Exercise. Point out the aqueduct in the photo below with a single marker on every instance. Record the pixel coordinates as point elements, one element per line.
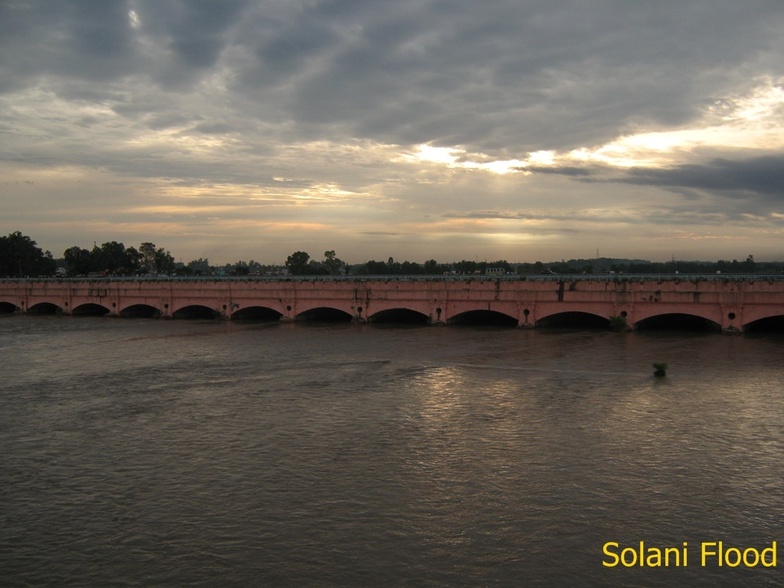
<point>731,304</point>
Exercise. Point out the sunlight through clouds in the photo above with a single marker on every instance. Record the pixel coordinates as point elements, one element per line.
<point>755,120</point>
<point>458,158</point>
<point>423,130</point>
<point>752,121</point>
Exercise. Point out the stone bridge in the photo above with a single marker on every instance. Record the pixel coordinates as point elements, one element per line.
<point>728,303</point>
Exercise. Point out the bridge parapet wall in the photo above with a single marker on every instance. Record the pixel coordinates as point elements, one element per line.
<point>730,303</point>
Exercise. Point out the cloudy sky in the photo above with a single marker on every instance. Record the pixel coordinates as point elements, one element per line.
<point>415,129</point>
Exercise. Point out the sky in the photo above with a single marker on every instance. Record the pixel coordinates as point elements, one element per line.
<point>415,129</point>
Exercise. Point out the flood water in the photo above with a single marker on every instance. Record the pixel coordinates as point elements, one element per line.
<point>208,453</point>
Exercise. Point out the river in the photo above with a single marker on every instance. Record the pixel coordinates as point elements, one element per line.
<point>217,453</point>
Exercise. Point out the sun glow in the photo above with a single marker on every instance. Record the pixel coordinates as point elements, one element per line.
<point>456,157</point>
<point>750,121</point>
<point>753,121</point>
<point>763,103</point>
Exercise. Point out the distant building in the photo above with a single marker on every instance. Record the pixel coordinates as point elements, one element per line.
<point>495,271</point>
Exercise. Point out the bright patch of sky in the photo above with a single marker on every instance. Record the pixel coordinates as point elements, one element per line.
<point>753,121</point>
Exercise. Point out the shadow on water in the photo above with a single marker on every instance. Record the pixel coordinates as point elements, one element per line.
<point>398,316</point>
<point>195,312</point>
<point>324,315</point>
<point>482,318</point>
<point>90,310</point>
<point>573,321</point>
<point>256,314</point>
<point>774,324</point>
<point>44,308</point>
<point>678,322</point>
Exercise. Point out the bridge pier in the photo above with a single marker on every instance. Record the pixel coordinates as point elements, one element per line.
<point>731,323</point>
<point>524,317</point>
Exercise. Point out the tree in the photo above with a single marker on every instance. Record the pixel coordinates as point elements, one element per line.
<point>432,267</point>
<point>332,264</point>
<point>20,256</point>
<point>410,268</point>
<point>155,260</point>
<point>79,261</point>
<point>297,263</point>
<point>254,267</point>
<point>393,267</point>
<point>374,268</point>
<point>147,255</point>
<point>467,267</point>
<point>240,269</point>
<point>164,262</point>
<point>113,258</point>
<point>200,267</point>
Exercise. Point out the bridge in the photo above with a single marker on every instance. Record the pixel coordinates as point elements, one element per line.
<point>732,304</point>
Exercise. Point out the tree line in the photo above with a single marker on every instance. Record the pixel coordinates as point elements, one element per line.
<point>299,263</point>
<point>115,258</point>
<point>20,256</point>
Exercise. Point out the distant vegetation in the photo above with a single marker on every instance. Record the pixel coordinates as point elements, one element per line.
<point>114,258</point>
<point>20,256</point>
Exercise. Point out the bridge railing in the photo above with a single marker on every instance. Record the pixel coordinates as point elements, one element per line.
<point>420,278</point>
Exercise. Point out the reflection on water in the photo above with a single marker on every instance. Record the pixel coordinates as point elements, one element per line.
<point>177,453</point>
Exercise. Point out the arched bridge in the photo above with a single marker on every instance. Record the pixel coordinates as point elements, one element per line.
<point>731,304</point>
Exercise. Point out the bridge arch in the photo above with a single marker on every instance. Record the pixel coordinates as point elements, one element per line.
<point>90,309</point>
<point>44,308</point>
<point>140,311</point>
<point>195,312</point>
<point>399,315</point>
<point>677,321</point>
<point>8,308</point>
<point>325,314</point>
<point>483,317</point>
<point>573,319</point>
<point>768,324</point>
<point>256,313</point>
<point>761,316</point>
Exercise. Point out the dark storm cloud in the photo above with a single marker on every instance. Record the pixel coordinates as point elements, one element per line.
<point>500,77</point>
<point>494,75</point>
<point>763,176</point>
<point>283,54</point>
<point>563,170</point>
<point>96,40</point>
<point>194,31</point>
<point>89,40</point>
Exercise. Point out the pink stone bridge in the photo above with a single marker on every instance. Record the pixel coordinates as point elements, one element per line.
<point>729,303</point>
